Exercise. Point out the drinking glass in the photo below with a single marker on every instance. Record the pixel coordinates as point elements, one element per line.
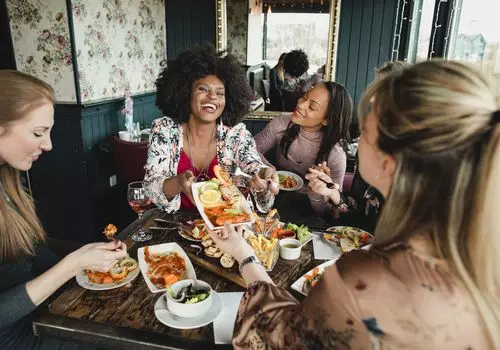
<point>264,200</point>
<point>139,201</point>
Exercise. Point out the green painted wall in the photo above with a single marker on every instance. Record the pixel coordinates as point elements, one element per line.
<point>100,121</point>
<point>365,42</point>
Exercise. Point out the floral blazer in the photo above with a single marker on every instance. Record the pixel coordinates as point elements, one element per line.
<point>234,145</point>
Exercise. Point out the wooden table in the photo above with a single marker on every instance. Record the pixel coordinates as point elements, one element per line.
<point>124,317</point>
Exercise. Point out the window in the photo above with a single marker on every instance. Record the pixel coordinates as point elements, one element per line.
<point>476,38</point>
<point>420,36</point>
<point>289,31</point>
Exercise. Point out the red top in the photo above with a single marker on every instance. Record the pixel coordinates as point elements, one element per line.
<point>185,164</point>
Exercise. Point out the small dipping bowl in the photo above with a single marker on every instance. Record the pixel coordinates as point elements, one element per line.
<point>125,135</point>
<point>189,310</point>
<point>290,248</point>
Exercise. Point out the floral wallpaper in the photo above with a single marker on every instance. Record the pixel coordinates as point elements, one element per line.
<point>42,46</point>
<point>119,45</point>
<point>237,27</point>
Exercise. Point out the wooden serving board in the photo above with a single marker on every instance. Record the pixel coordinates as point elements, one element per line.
<point>213,265</point>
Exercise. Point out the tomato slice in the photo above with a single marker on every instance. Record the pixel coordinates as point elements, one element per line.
<point>222,175</point>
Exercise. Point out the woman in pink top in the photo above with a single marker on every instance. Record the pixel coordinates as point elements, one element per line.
<point>430,143</point>
<point>315,132</point>
<point>204,96</point>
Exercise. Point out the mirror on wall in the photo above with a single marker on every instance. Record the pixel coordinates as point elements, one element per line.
<point>257,32</point>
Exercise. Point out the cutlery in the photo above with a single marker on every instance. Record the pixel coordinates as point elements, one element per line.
<point>161,228</point>
<point>235,170</point>
<point>167,221</point>
<point>328,184</point>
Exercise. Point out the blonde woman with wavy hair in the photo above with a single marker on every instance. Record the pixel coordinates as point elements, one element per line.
<point>29,271</point>
<point>430,143</point>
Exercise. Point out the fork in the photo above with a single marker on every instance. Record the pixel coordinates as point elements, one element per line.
<point>235,170</point>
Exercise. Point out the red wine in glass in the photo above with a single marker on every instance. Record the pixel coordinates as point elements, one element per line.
<point>140,205</point>
<point>139,202</point>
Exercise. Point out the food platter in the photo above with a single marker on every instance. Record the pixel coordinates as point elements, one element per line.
<point>82,279</point>
<point>289,181</point>
<point>347,238</point>
<point>299,285</point>
<point>236,211</point>
<point>162,250</point>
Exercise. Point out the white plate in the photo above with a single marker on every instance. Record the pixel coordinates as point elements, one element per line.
<point>83,280</point>
<point>163,248</point>
<point>169,319</point>
<point>187,236</point>
<point>299,284</point>
<point>196,194</point>
<point>300,182</point>
<point>334,229</point>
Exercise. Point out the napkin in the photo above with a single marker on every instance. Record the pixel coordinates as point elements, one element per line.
<point>224,323</point>
<point>324,251</point>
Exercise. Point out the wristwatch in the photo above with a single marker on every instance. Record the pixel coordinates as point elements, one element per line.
<point>252,259</point>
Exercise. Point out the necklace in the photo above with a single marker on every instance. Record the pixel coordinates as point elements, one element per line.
<point>202,175</point>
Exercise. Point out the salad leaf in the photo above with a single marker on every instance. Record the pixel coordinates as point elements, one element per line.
<point>292,227</point>
<point>303,233</point>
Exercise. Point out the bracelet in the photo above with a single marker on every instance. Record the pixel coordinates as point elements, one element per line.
<point>252,259</point>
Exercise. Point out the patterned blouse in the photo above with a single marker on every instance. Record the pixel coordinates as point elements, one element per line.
<point>234,145</point>
<point>400,298</point>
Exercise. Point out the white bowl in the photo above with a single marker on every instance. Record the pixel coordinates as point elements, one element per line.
<point>125,135</point>
<point>290,253</point>
<point>189,310</point>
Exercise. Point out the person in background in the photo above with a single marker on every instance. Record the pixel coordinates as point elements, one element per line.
<point>295,65</point>
<point>204,97</point>
<point>315,132</point>
<point>277,78</point>
<point>430,144</point>
<point>361,206</point>
<point>30,272</point>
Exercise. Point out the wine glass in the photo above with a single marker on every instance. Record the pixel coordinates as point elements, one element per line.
<point>139,201</point>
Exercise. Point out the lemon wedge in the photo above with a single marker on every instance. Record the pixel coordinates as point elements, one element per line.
<point>209,185</point>
<point>210,197</point>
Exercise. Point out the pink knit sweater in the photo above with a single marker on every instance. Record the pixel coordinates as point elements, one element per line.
<point>301,154</point>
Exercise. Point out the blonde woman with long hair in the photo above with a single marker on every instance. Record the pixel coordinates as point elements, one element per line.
<point>430,143</point>
<point>29,271</point>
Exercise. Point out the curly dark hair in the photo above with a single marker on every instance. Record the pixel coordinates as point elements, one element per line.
<point>296,63</point>
<point>175,81</point>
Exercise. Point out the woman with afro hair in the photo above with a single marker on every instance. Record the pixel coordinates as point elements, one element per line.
<point>204,96</point>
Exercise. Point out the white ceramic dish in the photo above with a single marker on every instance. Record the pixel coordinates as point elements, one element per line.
<point>171,320</point>
<point>83,280</point>
<point>188,310</point>
<point>195,188</point>
<point>298,285</point>
<point>290,253</point>
<point>160,249</point>
<point>125,135</point>
<point>337,229</point>
<point>300,182</point>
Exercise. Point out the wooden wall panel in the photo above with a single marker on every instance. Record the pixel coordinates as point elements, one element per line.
<point>188,23</point>
<point>365,42</point>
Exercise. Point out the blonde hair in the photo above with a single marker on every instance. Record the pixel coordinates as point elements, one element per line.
<point>20,229</point>
<point>391,66</point>
<point>436,119</point>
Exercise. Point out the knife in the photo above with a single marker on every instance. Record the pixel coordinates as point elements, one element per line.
<point>167,221</point>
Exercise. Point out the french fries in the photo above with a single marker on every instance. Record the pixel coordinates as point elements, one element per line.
<point>265,249</point>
